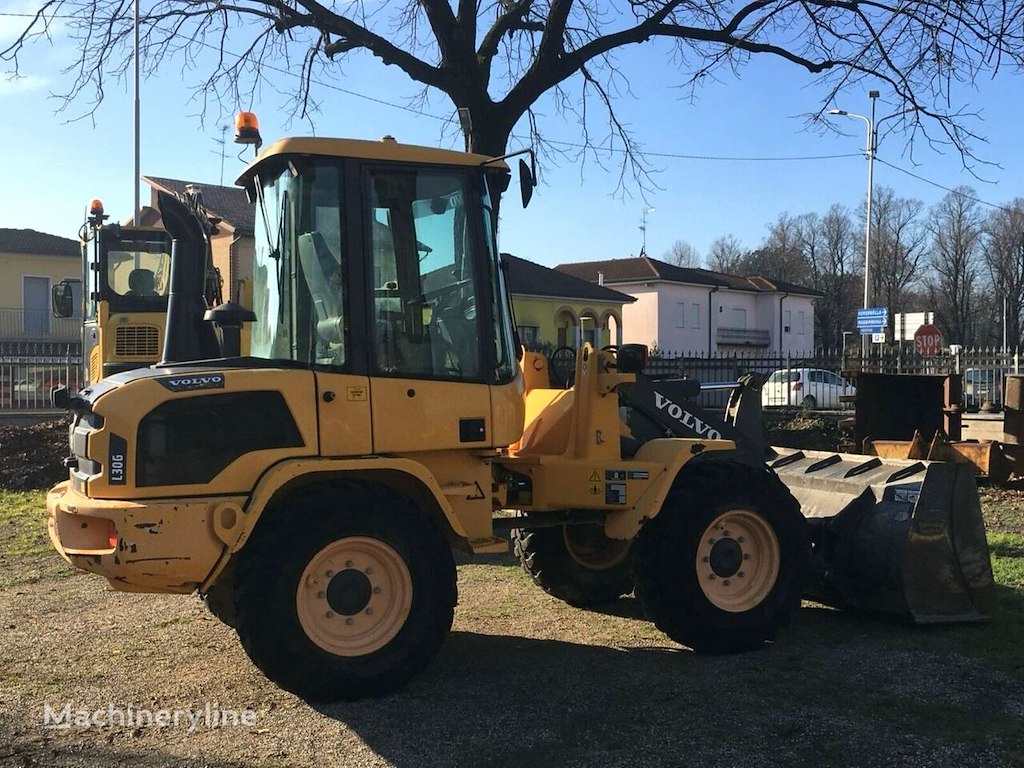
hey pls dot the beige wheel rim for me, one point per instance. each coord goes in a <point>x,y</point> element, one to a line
<point>354,596</point>
<point>738,560</point>
<point>589,547</point>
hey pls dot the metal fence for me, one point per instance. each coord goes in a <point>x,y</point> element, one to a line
<point>28,374</point>
<point>983,371</point>
<point>28,370</point>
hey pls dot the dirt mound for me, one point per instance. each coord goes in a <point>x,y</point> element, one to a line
<point>33,456</point>
<point>805,430</point>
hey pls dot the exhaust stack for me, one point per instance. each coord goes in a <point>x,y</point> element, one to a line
<point>187,335</point>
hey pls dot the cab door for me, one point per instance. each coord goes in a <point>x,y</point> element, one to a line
<point>428,385</point>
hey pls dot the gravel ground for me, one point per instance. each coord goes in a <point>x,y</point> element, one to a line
<point>522,680</point>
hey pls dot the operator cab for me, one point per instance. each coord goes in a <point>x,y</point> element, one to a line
<point>379,259</point>
<point>127,268</point>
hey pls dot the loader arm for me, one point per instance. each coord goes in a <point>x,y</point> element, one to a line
<point>667,408</point>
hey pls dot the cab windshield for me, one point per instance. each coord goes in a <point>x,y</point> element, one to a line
<point>133,265</point>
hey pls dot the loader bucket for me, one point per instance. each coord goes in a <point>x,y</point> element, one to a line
<point>897,536</point>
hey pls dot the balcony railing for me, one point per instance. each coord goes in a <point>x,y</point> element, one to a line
<point>37,325</point>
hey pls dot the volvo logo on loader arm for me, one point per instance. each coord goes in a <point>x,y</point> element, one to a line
<point>685,418</point>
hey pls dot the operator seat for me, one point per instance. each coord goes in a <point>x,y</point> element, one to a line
<point>141,282</point>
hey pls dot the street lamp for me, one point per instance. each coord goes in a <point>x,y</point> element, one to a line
<point>869,152</point>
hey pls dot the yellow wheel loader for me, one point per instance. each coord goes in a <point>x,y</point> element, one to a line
<point>313,489</point>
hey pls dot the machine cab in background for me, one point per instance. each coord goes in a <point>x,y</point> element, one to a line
<point>376,266</point>
<point>126,276</point>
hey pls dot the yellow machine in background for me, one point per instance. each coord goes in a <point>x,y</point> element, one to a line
<point>312,489</point>
<point>122,293</point>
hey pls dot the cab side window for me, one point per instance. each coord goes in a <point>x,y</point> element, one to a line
<point>423,280</point>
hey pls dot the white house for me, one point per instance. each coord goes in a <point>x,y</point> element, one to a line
<point>697,311</point>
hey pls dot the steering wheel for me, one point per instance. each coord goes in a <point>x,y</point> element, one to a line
<point>562,367</point>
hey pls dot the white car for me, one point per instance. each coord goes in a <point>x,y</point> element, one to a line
<point>811,388</point>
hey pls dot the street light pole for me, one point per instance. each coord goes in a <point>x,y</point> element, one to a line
<point>869,152</point>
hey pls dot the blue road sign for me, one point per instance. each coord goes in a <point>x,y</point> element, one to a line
<point>872,320</point>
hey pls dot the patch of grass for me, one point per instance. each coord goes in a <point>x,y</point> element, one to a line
<point>23,522</point>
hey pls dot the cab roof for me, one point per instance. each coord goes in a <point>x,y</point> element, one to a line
<point>386,148</point>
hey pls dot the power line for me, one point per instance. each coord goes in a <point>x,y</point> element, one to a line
<point>716,158</point>
<point>944,188</point>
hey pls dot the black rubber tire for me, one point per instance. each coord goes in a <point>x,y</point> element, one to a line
<point>667,579</point>
<point>220,598</point>
<point>290,536</point>
<point>809,403</point>
<point>546,557</point>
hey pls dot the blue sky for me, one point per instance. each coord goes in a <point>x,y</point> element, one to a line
<point>53,166</point>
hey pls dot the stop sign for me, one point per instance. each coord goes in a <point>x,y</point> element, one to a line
<point>927,340</point>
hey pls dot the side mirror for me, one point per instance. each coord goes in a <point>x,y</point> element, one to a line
<point>63,299</point>
<point>526,182</point>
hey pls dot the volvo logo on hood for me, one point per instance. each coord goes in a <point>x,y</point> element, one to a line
<point>193,381</point>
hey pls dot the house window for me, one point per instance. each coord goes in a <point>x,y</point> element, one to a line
<point>681,314</point>
<point>800,322</point>
<point>739,317</point>
<point>529,335</point>
<point>787,323</point>
<point>695,315</point>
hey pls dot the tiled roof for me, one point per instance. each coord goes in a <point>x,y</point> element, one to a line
<point>644,268</point>
<point>30,241</point>
<point>526,278</point>
<point>227,203</point>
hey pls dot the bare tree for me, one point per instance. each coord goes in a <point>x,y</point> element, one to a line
<point>899,240</point>
<point>725,254</point>
<point>831,257</point>
<point>682,254</point>
<point>782,253</point>
<point>955,225</point>
<point>495,60</point>
<point>1004,256</point>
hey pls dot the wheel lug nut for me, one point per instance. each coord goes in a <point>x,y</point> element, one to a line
<point>726,533</point>
<point>369,611</point>
<point>740,539</point>
<point>321,595</point>
<point>727,582</point>
<point>711,542</point>
<point>369,571</point>
<point>349,563</point>
<point>329,614</point>
<point>706,559</point>
<point>350,621</point>
<point>746,556</point>
<point>376,590</point>
<point>712,577</point>
<point>329,574</point>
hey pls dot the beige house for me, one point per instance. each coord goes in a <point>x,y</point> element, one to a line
<point>232,242</point>
<point>31,263</point>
